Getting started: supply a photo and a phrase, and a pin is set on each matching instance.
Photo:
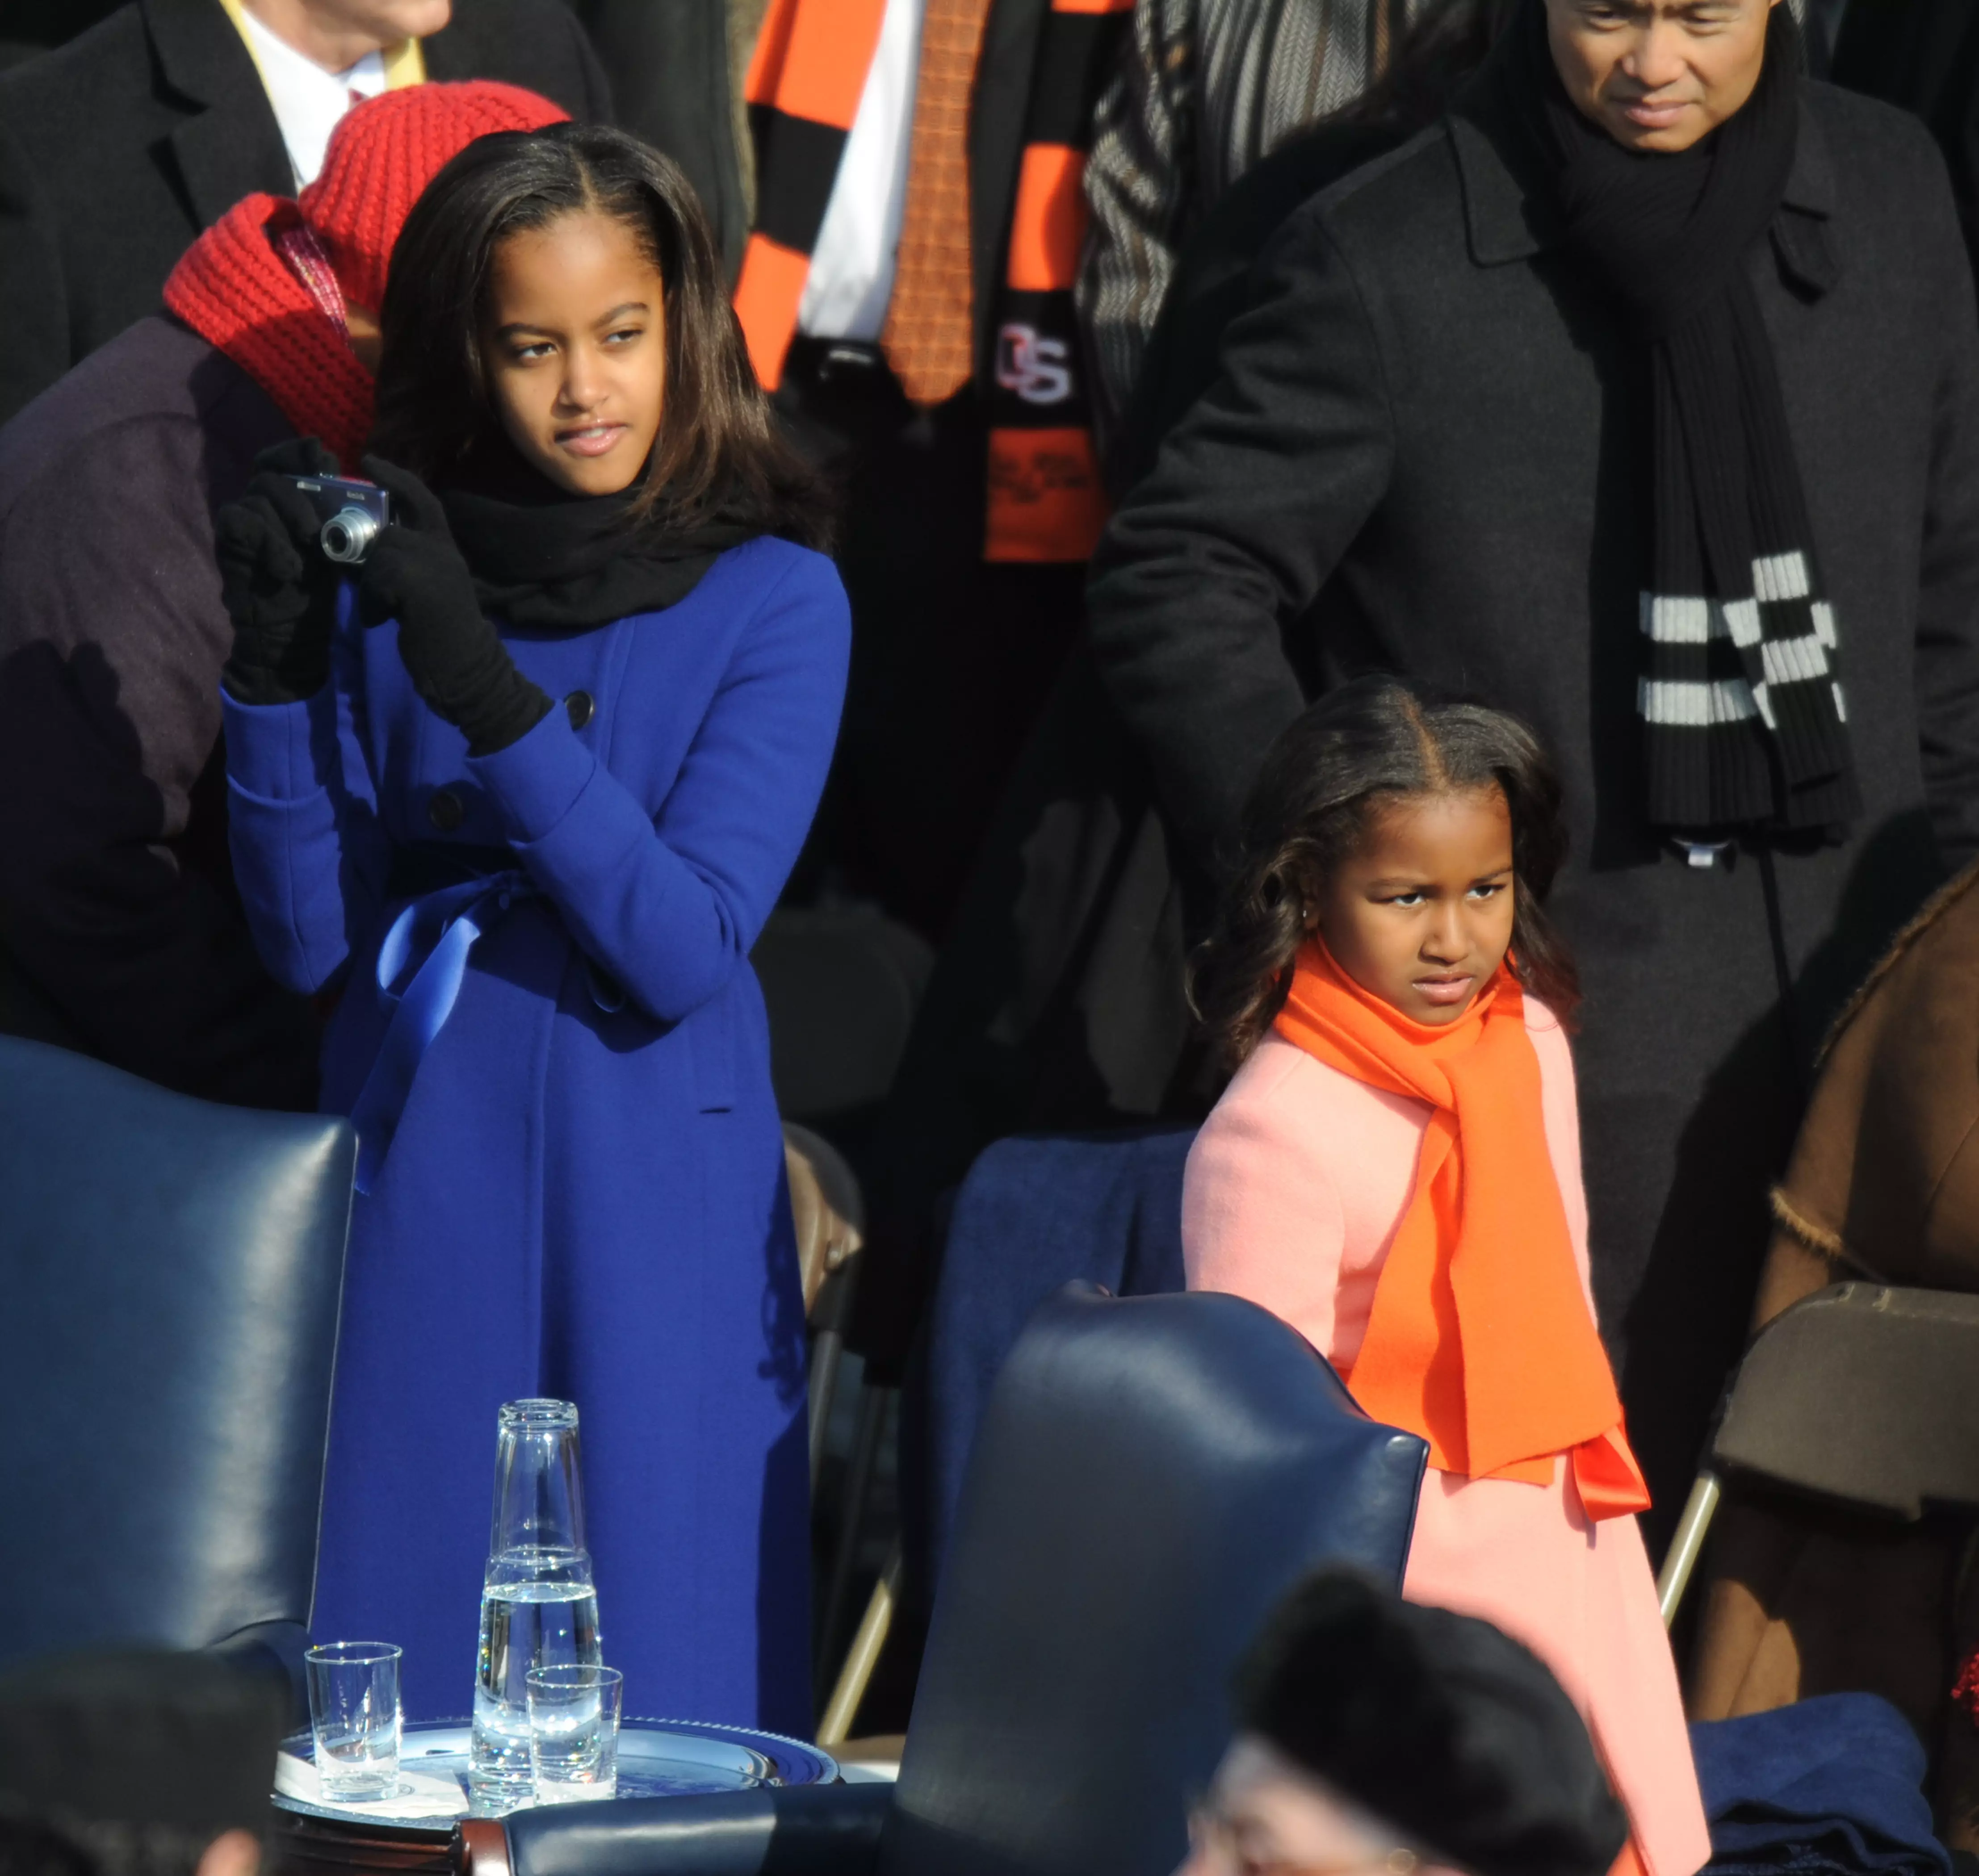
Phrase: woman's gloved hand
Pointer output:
(278, 589)
(455, 659)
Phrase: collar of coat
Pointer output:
(1511, 217)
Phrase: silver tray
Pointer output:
(656, 1758)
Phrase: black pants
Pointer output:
(952, 657)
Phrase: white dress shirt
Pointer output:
(851, 276)
(308, 101)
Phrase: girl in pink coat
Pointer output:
(1395, 1171)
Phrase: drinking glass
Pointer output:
(354, 1697)
(574, 1731)
(539, 1606)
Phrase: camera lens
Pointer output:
(347, 535)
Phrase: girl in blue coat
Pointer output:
(525, 797)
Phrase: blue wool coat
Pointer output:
(584, 1197)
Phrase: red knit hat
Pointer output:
(382, 155)
(266, 283)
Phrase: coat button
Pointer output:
(446, 810)
(579, 708)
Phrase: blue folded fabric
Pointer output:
(1832, 1783)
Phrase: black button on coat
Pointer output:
(1425, 454)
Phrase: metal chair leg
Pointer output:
(825, 1352)
(863, 1656)
(1687, 1545)
(873, 1405)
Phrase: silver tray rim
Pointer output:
(825, 1768)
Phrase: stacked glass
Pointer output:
(538, 1603)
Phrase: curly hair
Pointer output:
(1359, 750)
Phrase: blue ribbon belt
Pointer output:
(428, 943)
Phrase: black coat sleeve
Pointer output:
(1250, 505)
(34, 314)
(112, 636)
(1947, 630)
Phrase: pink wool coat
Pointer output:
(1294, 1189)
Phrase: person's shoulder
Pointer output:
(1281, 1084)
(1877, 153)
(50, 95)
(768, 560)
(1551, 1041)
(1391, 200)
(155, 369)
(1859, 122)
(155, 379)
(776, 590)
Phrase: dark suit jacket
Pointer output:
(1923, 54)
(118, 149)
(1429, 425)
(672, 84)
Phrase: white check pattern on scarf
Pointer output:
(1780, 595)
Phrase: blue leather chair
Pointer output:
(1152, 1474)
(1037, 1212)
(170, 1278)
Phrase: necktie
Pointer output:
(927, 335)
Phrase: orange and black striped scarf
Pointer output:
(1046, 502)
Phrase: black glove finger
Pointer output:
(251, 541)
(385, 576)
(294, 512)
(300, 455)
(414, 505)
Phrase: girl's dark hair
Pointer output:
(1359, 749)
(719, 453)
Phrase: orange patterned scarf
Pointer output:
(1480, 1338)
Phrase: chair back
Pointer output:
(170, 1272)
(1151, 1475)
(1864, 1394)
(1036, 1212)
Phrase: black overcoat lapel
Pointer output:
(229, 145)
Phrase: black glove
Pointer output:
(455, 659)
(278, 589)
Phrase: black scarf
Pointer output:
(546, 560)
(1743, 721)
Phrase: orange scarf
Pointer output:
(1480, 1338)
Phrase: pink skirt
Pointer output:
(1580, 1596)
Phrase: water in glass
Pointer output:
(574, 1732)
(539, 1605)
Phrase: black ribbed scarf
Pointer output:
(1743, 716)
(546, 560)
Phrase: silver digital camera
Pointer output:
(351, 512)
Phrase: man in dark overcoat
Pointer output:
(1640, 397)
(116, 150)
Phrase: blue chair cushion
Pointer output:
(1035, 1213)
